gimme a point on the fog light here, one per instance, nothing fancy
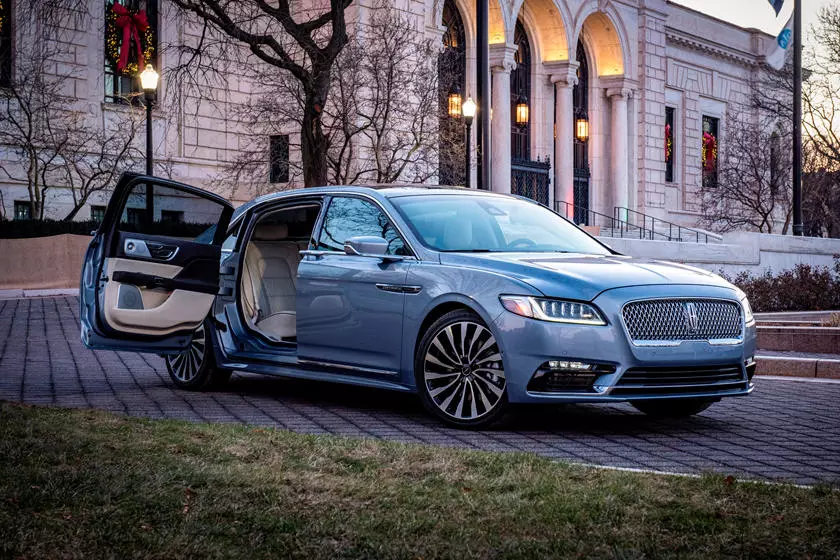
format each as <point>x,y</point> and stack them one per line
<point>565,376</point>
<point>570,366</point>
<point>749,365</point>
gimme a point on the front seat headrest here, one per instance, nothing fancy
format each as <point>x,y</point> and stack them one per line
<point>271,232</point>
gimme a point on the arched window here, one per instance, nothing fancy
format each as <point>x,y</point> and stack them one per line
<point>580,105</point>
<point>520,90</point>
<point>452,76</point>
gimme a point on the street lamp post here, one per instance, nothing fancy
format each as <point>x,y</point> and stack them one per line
<point>149,82</point>
<point>468,111</point>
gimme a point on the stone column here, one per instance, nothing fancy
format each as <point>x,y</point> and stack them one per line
<point>618,147</point>
<point>564,79</point>
<point>501,64</point>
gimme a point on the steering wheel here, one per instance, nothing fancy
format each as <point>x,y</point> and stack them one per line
<point>521,241</point>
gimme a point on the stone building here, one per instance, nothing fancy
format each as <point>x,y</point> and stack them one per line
<point>604,82</point>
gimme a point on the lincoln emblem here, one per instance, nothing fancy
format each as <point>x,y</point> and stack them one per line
<point>692,322</point>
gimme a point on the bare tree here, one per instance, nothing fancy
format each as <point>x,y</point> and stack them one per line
<point>380,123</point>
<point>52,141</point>
<point>820,194</point>
<point>753,186</point>
<point>95,157</point>
<point>306,48</point>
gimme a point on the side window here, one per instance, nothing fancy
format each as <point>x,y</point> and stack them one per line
<point>170,212</point>
<point>7,32</point>
<point>351,217</point>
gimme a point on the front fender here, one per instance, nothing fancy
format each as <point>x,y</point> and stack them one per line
<point>442,284</point>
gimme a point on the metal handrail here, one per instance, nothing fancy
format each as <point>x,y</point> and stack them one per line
<point>615,225</point>
<point>675,231</point>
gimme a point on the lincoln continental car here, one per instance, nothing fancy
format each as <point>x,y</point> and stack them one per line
<point>474,301</point>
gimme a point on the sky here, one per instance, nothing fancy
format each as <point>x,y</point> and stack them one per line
<point>757,13</point>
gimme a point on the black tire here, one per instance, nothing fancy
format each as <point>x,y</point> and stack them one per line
<point>195,368</point>
<point>471,394</point>
<point>672,408</point>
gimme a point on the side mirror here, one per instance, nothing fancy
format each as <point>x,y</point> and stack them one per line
<point>366,246</point>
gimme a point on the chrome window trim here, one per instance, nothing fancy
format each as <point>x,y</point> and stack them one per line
<point>675,343</point>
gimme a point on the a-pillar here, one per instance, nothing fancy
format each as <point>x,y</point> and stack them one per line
<point>564,77</point>
<point>619,147</point>
<point>501,64</point>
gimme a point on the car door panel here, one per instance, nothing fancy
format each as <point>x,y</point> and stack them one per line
<point>146,291</point>
<point>343,318</point>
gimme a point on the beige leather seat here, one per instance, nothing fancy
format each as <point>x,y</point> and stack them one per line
<point>269,281</point>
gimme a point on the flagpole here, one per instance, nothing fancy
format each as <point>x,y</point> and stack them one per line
<point>797,118</point>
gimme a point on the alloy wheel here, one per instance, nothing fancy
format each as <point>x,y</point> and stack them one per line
<point>186,365</point>
<point>463,371</point>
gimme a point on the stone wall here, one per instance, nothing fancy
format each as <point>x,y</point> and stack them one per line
<point>756,253</point>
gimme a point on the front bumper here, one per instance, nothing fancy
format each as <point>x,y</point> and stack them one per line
<point>527,345</point>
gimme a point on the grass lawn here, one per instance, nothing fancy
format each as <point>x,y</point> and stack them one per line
<point>88,484</point>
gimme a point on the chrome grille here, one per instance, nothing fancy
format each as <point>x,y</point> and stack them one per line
<point>675,320</point>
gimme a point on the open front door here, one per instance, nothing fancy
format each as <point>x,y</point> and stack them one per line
<point>151,272</point>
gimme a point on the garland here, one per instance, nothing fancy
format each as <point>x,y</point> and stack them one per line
<point>669,143</point>
<point>129,39</point>
<point>2,15</point>
<point>710,151</point>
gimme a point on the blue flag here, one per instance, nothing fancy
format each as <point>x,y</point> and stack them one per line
<point>778,52</point>
<point>777,5</point>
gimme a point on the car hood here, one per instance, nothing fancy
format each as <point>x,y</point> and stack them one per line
<point>582,276</point>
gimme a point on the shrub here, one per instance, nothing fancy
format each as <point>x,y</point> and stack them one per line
<point>803,288</point>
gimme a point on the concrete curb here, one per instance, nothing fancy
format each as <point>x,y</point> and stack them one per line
<point>22,294</point>
<point>785,366</point>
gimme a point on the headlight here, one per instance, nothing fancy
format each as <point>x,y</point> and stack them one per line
<point>748,314</point>
<point>745,305</point>
<point>555,310</point>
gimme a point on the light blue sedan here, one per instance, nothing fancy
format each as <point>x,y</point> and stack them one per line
<point>475,301</point>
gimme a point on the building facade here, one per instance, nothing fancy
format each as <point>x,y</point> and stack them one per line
<point>597,106</point>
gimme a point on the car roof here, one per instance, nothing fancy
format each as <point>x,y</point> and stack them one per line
<point>390,190</point>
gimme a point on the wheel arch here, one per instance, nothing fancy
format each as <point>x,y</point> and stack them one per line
<point>437,309</point>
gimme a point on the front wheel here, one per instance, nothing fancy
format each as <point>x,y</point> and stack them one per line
<point>672,408</point>
<point>459,372</point>
<point>195,368</point>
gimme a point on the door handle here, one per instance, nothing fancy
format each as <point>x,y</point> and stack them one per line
<point>150,281</point>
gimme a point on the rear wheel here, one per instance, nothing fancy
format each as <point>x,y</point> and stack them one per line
<point>672,408</point>
<point>195,368</point>
<point>459,372</point>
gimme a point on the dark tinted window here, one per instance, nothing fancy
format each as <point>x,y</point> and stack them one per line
<point>353,217</point>
<point>279,159</point>
<point>175,213</point>
<point>6,34</point>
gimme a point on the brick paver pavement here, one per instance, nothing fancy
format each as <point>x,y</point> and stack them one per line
<point>786,430</point>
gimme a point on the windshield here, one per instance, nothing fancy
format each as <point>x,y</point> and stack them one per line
<point>469,223</point>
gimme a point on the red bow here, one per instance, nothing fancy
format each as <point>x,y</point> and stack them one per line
<point>132,25</point>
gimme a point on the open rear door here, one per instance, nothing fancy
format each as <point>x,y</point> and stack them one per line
<point>151,272</point>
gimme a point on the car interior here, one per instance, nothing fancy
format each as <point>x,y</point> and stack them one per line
<point>269,271</point>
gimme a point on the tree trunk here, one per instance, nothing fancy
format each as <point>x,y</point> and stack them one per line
<point>69,217</point>
<point>313,148</point>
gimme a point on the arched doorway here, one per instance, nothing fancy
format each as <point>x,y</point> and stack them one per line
<point>580,108</point>
<point>452,77</point>
<point>520,90</point>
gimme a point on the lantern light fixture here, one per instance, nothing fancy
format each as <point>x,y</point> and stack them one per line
<point>454,100</point>
<point>522,111</point>
<point>149,78</point>
<point>582,129</point>
<point>468,109</point>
